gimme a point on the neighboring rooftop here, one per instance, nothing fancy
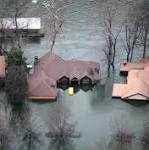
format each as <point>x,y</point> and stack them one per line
<point>126,67</point>
<point>137,87</point>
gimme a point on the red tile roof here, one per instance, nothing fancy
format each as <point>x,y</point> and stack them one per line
<point>134,87</point>
<point>137,65</point>
<point>42,86</point>
<point>50,68</point>
<point>57,67</point>
<point>137,86</point>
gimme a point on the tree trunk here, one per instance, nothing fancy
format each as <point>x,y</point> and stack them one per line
<point>53,40</point>
<point>145,42</point>
<point>29,143</point>
<point>131,55</point>
<point>128,55</point>
<point>17,33</point>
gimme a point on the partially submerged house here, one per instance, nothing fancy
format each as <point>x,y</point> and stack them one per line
<point>42,87</point>
<point>26,26</point>
<point>126,67</point>
<point>50,72</point>
<point>137,87</point>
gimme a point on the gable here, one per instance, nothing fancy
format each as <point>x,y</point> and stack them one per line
<point>137,96</point>
<point>86,77</point>
<point>64,78</point>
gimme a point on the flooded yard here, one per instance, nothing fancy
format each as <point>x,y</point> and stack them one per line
<point>94,111</point>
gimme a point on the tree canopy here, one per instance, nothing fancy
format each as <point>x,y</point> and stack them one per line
<point>15,57</point>
<point>16,84</point>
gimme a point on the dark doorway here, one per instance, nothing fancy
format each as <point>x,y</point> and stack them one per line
<point>63,83</point>
<point>74,82</point>
<point>85,81</point>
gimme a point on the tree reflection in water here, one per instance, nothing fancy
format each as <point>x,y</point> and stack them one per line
<point>59,144</point>
<point>62,129</point>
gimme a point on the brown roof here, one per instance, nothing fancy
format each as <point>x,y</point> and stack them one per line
<point>118,90</point>
<point>88,75</point>
<point>42,86</point>
<point>75,73</point>
<point>137,85</point>
<point>57,67</point>
<point>49,56</point>
<point>50,67</point>
<point>129,66</point>
<point>2,67</point>
<point>143,63</point>
<point>145,60</point>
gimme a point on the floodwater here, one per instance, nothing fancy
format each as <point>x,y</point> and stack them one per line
<point>94,111</point>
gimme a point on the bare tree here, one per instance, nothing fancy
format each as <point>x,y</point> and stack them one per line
<point>132,35</point>
<point>145,137</point>
<point>121,138</point>
<point>4,9</point>
<point>16,10</point>
<point>111,37</point>
<point>3,38</point>
<point>102,144</point>
<point>5,134</point>
<point>141,10</point>
<point>61,126</point>
<point>54,14</point>
<point>31,133</point>
<point>137,28</point>
<point>61,145</point>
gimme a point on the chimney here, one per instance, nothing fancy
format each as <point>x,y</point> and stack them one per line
<point>35,60</point>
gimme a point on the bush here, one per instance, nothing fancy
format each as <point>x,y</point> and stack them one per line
<point>16,84</point>
<point>15,57</point>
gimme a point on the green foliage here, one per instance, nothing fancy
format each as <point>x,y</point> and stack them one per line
<point>15,57</point>
<point>16,84</point>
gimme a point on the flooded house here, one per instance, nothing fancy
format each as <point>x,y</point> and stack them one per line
<point>51,72</point>
<point>30,27</point>
<point>137,87</point>
<point>126,67</point>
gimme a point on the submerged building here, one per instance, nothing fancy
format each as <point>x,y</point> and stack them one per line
<point>51,72</point>
<point>27,26</point>
<point>126,67</point>
<point>137,86</point>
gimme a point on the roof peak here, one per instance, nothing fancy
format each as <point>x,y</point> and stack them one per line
<point>51,56</point>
